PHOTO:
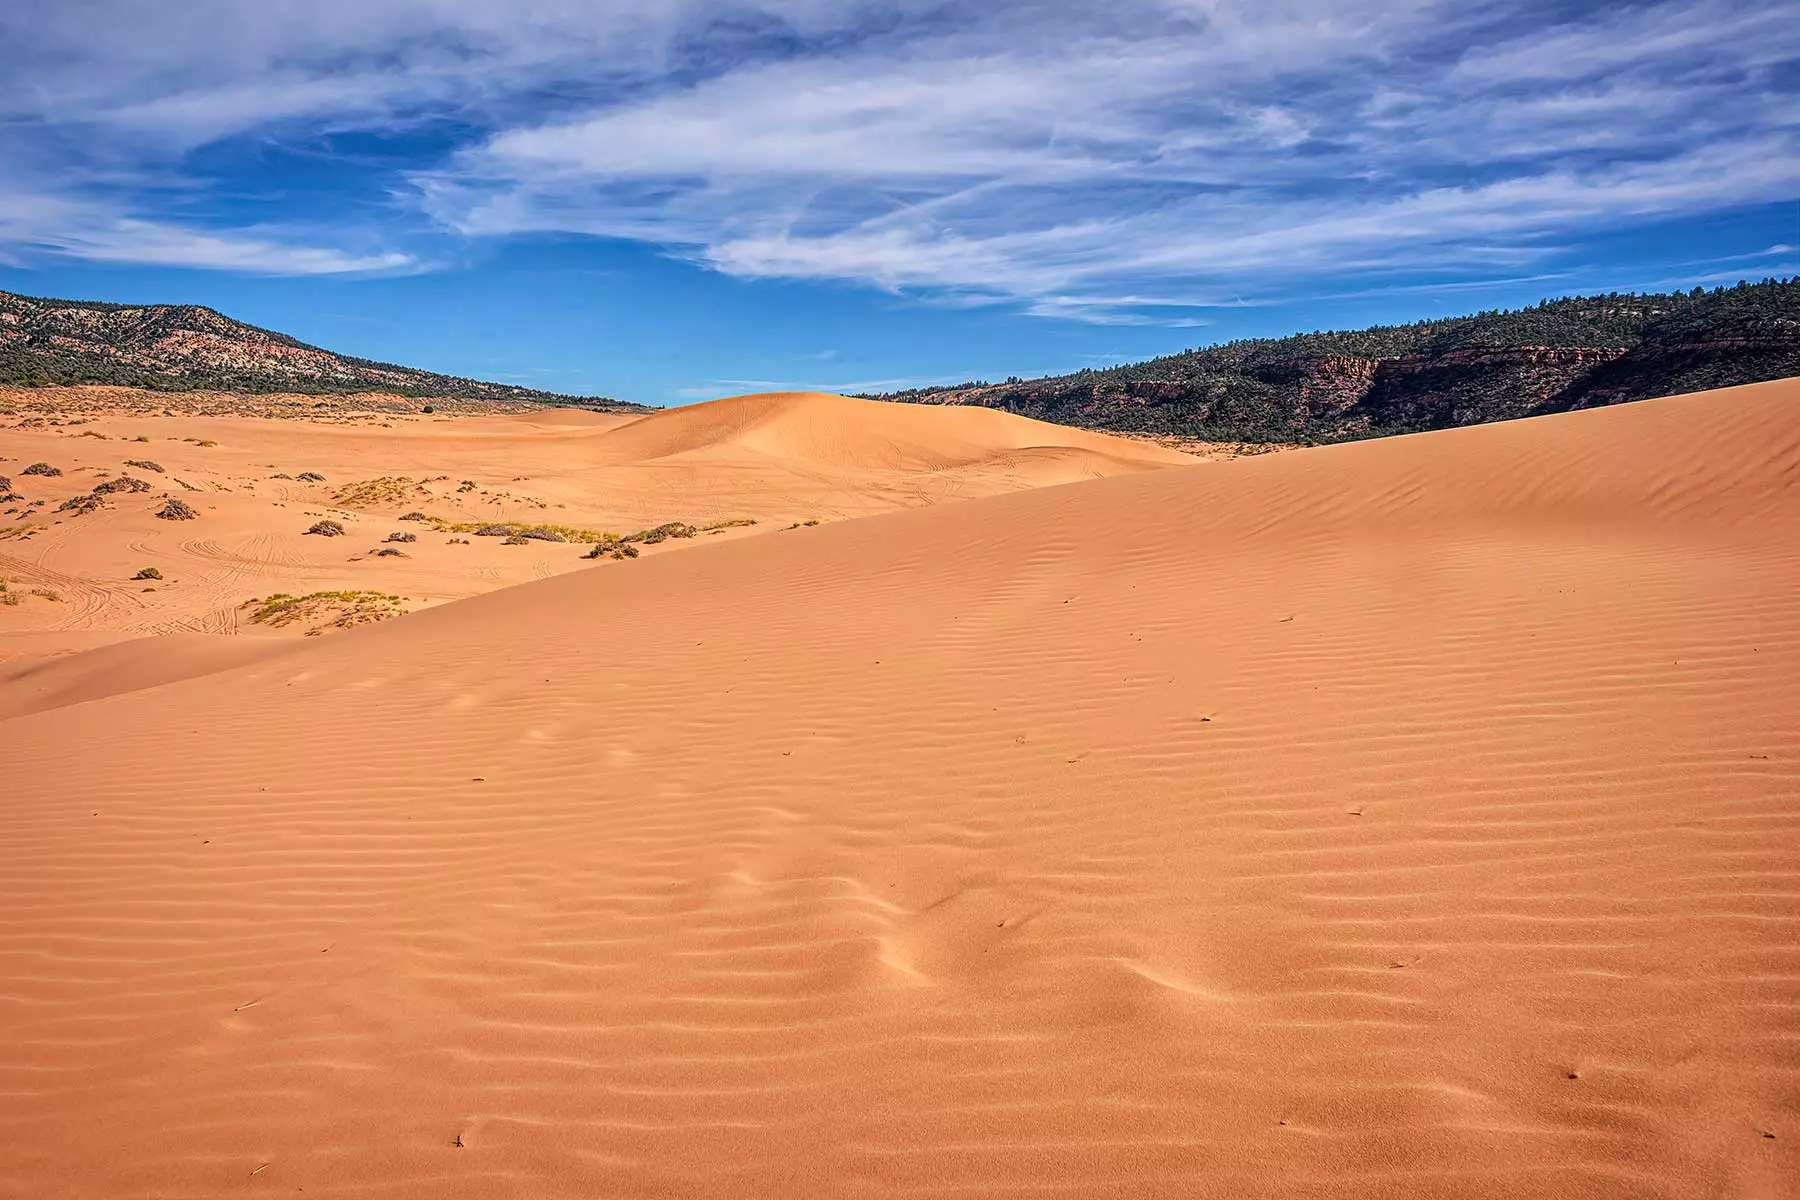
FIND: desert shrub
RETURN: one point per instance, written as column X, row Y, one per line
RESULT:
column 542, row 533
column 310, row 477
column 390, row 552
column 327, row 529
column 415, row 516
column 670, row 529
column 616, row 549
column 517, row 539
column 123, row 483
column 496, row 531
column 41, row 468
column 142, row 437
column 81, row 505
column 10, row 598
column 401, row 537
column 428, row 410
column 144, row 464
column 467, row 485
column 148, row 573
column 47, row 593
column 800, row 524
column 176, row 510
column 91, row 433
column 459, row 542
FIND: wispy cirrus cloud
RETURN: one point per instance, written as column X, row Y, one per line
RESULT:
column 102, row 232
column 1136, row 164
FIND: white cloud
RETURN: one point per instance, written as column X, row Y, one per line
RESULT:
column 1273, row 143
column 145, row 242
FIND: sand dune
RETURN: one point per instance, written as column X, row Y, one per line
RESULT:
column 1409, row 818
column 825, row 431
column 776, row 460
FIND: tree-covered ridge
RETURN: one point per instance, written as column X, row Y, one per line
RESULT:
column 185, row 347
column 1561, row 354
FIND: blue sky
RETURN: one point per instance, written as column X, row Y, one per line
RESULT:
column 669, row 200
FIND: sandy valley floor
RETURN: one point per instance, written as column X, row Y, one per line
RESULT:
column 1409, row 818
column 775, row 459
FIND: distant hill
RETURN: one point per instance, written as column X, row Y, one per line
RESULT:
column 185, row 347
column 1582, row 352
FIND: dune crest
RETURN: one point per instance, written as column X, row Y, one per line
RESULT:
column 1405, row 818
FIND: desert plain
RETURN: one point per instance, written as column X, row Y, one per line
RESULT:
column 1059, row 816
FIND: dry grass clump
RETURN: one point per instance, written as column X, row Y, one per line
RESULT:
column 388, row 489
column 390, row 552
column 310, row 477
column 803, row 524
column 144, row 464
column 47, row 593
column 415, row 516
column 176, row 510
column 327, row 529
column 332, row 610
column 41, row 468
column 401, row 537
column 148, row 573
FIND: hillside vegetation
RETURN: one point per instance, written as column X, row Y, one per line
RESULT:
column 1581, row 352
column 185, row 347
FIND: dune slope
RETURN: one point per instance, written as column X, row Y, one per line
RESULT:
column 1407, row 818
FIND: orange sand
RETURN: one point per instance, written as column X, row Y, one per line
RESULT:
column 1409, row 818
